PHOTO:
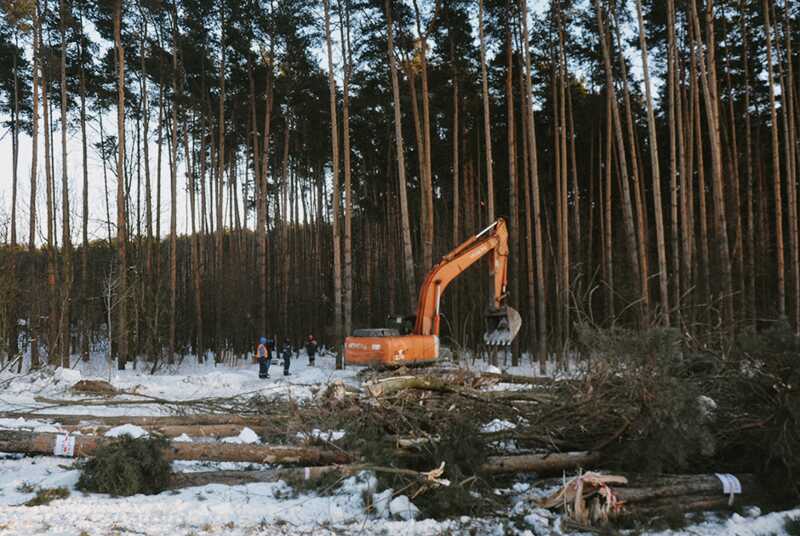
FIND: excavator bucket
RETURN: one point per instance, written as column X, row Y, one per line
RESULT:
column 502, row 326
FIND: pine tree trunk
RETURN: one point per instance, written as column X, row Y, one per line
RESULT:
column 608, row 213
column 787, row 113
column 427, row 189
column 11, row 309
column 408, row 254
column 708, row 78
column 344, row 26
column 122, row 229
column 512, row 178
column 52, row 283
column 34, row 139
column 529, row 237
column 66, row 239
column 793, row 150
column 487, row 129
column 173, row 212
column 337, row 258
column 537, row 220
column 627, row 208
column 751, row 224
column 663, row 274
column 221, row 342
column 776, row 169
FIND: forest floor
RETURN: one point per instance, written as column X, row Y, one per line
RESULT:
column 272, row 508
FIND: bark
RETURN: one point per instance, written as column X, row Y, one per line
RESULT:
column 563, row 189
column 708, row 78
column 85, row 446
column 408, row 254
column 608, row 213
column 794, row 157
column 512, row 179
column 34, row 137
column 173, row 212
column 663, row 274
column 220, row 340
column 85, row 319
column 541, row 464
column 529, row 237
column 347, row 66
column 751, row 224
column 199, row 344
column 537, row 219
column 171, row 431
column 337, row 258
column 627, row 209
column 156, row 422
column 787, row 109
column 50, row 249
column 122, row 229
column 487, row 129
column 776, row 168
column 701, row 171
column 427, row 201
column 66, row 239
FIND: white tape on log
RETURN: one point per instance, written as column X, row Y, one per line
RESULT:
column 65, row 446
column 307, row 473
column 730, row 486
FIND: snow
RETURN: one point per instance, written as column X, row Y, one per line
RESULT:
column 246, row 437
column 316, row 433
column 402, row 508
column 266, row 509
column 127, row 429
column 185, row 382
column 497, row 425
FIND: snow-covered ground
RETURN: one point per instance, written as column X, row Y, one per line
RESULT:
column 252, row 509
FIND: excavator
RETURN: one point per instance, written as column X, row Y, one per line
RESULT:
column 390, row 347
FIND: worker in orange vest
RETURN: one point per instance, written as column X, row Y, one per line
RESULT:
column 264, row 355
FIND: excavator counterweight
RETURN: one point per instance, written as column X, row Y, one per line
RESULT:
column 383, row 347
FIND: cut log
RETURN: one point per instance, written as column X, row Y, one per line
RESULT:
column 641, row 490
column 169, row 420
column 198, row 430
column 498, row 465
column 594, row 499
column 238, row 478
column 393, row 385
column 44, row 443
column 541, row 464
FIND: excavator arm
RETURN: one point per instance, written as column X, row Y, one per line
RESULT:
column 492, row 241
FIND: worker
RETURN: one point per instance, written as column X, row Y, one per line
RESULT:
column 311, row 350
column 264, row 355
column 286, row 355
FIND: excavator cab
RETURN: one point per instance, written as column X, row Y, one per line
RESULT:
column 502, row 325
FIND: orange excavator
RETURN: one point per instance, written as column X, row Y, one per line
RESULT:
column 388, row 347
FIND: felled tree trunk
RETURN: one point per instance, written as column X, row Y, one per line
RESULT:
column 193, row 430
column 541, row 464
column 640, row 489
column 188, row 420
column 44, row 443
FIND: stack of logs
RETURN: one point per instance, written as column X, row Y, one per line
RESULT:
column 637, row 495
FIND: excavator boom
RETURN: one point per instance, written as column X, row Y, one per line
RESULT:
column 422, row 345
